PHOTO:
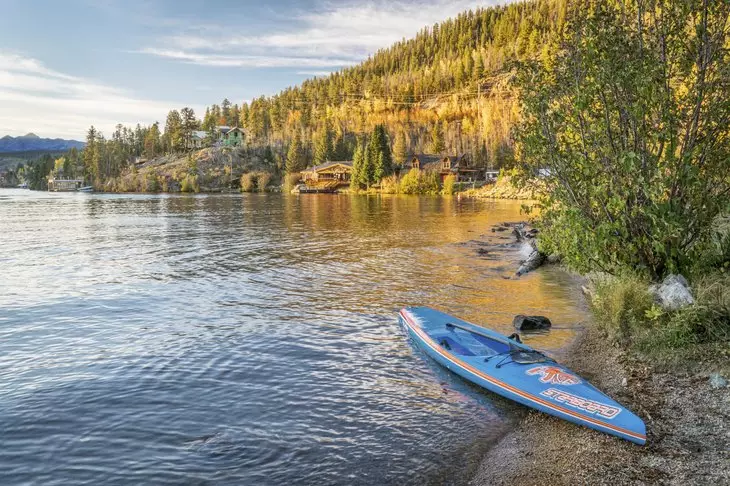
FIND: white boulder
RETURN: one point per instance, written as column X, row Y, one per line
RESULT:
column 673, row 293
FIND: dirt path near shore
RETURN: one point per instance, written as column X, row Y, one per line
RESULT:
column 688, row 429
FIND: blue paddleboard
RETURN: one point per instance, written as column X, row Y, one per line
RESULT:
column 518, row 372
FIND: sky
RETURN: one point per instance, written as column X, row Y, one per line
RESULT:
column 65, row 65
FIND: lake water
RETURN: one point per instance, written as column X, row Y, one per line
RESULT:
column 250, row 339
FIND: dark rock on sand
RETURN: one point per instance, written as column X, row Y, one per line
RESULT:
column 531, row 323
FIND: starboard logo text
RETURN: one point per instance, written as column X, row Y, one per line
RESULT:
column 589, row 406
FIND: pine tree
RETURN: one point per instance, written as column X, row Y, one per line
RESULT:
column 91, row 154
column 400, row 149
column 379, row 150
column 358, row 159
column 340, row 150
column 188, row 124
column 226, row 111
column 173, row 131
column 323, row 147
column 295, row 156
column 370, row 160
column 152, row 141
column 437, row 139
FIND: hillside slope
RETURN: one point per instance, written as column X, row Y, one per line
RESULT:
column 446, row 90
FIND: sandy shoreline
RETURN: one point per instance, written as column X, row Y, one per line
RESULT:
column 688, row 430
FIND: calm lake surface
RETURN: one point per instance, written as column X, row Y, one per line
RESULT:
column 250, row 339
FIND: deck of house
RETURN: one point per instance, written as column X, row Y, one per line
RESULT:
column 326, row 186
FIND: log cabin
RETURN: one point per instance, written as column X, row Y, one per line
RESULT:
column 457, row 165
column 333, row 173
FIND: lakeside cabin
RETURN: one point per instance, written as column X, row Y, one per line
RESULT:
column 327, row 177
column 224, row 136
column 198, row 139
column 230, row 137
column 457, row 165
column 64, row 185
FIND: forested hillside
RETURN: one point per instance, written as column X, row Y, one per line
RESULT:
column 446, row 90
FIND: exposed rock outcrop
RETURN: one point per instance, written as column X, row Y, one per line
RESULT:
column 533, row 261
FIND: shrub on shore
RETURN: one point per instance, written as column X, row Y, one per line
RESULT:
column 151, row 184
column 190, row 184
column 248, row 183
column 620, row 304
column 625, row 309
column 627, row 125
column 419, row 182
column 263, row 179
column 449, row 185
column 255, row 181
column 291, row 181
column 389, row 185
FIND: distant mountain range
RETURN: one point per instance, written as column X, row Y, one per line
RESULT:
column 32, row 142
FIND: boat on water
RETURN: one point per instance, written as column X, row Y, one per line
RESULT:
column 85, row 189
column 506, row 366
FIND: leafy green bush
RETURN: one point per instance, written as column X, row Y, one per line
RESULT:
column 714, row 253
column 151, row 183
column 420, row 182
column 409, row 183
column 430, row 182
column 632, row 128
column 449, row 183
column 192, row 164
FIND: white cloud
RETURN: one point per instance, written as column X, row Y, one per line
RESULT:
column 317, row 74
column 337, row 35
column 35, row 98
column 255, row 61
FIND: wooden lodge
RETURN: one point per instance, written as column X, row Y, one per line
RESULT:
column 327, row 177
column 64, row 185
column 457, row 165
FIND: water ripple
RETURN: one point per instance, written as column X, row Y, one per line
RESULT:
column 248, row 339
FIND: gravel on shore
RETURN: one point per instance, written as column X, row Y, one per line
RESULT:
column 688, row 430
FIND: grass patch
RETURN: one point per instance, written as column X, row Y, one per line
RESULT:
column 620, row 305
